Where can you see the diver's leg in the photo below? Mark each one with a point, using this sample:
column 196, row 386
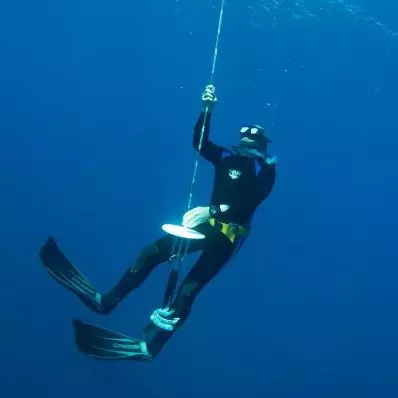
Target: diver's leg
column 150, row 257
column 106, row 344
column 209, row 264
column 63, row 271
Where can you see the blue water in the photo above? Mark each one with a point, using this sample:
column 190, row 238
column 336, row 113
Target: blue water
column 97, row 104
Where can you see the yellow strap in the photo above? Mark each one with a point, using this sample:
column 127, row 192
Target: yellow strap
column 231, row 231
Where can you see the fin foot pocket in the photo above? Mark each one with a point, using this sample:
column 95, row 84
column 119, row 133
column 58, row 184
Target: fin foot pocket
column 105, row 344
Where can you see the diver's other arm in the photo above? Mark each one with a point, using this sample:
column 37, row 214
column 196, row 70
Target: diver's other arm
column 201, row 214
column 196, row 216
column 208, row 150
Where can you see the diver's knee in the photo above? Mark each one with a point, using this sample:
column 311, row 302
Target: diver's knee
column 149, row 250
column 146, row 254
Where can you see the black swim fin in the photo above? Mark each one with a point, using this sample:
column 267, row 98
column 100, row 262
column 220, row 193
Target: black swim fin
column 62, row 270
column 106, row 344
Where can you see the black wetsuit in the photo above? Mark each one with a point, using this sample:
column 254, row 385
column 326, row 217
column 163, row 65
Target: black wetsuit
column 241, row 183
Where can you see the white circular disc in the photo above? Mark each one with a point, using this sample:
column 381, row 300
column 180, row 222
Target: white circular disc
column 182, row 232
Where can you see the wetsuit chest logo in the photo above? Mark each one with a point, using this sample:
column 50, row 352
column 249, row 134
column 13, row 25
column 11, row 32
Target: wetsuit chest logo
column 234, row 174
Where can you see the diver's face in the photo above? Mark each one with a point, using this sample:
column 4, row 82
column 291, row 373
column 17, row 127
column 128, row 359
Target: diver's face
column 250, row 136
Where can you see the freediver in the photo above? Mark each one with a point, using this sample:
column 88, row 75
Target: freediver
column 244, row 177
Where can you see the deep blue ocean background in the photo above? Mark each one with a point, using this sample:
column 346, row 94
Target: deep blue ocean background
column 97, row 104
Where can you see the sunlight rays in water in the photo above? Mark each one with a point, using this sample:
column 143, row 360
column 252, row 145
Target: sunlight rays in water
column 276, row 10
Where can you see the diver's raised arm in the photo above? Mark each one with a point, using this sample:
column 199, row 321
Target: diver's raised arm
column 208, row 150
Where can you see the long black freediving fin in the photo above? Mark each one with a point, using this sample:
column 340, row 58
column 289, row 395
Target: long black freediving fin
column 64, row 272
column 106, row 344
